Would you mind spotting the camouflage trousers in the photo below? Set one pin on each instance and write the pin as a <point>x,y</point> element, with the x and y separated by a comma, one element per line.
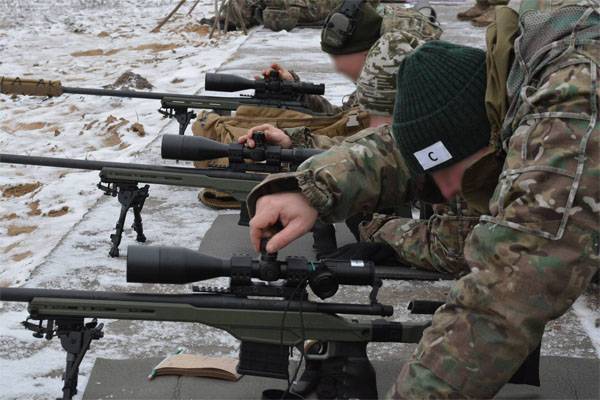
<point>297,11</point>
<point>436,244</point>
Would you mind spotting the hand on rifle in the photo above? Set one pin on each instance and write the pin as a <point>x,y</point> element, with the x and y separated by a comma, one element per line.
<point>273,136</point>
<point>292,210</point>
<point>283,73</point>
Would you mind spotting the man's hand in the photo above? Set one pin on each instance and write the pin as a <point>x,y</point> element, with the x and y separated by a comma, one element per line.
<point>292,210</point>
<point>283,73</point>
<point>273,136</point>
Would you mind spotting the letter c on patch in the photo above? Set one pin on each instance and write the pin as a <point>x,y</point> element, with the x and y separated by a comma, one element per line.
<point>431,158</point>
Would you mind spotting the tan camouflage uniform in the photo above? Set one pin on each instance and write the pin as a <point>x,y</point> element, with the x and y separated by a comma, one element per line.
<point>409,23</point>
<point>376,86</point>
<point>285,14</point>
<point>538,247</point>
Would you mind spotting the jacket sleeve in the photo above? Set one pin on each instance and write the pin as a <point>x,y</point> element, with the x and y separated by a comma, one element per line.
<point>535,253</point>
<point>321,105</point>
<point>303,137</point>
<point>364,173</point>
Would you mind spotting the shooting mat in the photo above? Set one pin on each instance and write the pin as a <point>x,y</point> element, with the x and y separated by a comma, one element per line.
<point>562,378</point>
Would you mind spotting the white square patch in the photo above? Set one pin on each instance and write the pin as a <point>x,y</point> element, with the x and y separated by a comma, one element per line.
<point>433,155</point>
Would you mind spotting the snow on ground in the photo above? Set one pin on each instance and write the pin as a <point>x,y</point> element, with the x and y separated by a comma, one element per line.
<point>55,224</point>
<point>89,46</point>
<point>587,308</point>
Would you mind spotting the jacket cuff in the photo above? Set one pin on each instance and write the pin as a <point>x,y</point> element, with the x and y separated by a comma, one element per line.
<point>300,136</point>
<point>274,183</point>
<point>295,75</point>
<point>318,195</point>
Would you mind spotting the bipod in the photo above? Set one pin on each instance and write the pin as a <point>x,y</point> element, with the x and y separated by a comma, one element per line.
<point>129,196</point>
<point>181,115</point>
<point>75,338</point>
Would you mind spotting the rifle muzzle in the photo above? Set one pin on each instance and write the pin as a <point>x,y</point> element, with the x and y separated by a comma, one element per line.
<point>172,265</point>
<point>30,87</point>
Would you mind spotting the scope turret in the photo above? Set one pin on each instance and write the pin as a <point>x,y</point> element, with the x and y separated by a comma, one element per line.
<point>272,85</point>
<point>197,148</point>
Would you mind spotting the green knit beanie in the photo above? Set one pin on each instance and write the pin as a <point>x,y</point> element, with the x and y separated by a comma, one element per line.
<point>366,33</point>
<point>440,117</point>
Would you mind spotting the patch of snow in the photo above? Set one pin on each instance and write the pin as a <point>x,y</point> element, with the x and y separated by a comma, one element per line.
<point>590,319</point>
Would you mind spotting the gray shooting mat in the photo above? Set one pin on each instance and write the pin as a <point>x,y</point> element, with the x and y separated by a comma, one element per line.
<point>561,377</point>
<point>225,238</point>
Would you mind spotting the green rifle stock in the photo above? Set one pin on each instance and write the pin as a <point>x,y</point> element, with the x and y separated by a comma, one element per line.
<point>267,328</point>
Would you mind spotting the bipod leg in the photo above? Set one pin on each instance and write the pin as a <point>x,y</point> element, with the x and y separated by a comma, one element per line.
<point>116,237</point>
<point>184,117</point>
<point>138,205</point>
<point>75,338</point>
<point>129,196</point>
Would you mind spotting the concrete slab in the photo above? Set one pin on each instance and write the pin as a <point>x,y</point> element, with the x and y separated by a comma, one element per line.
<point>226,238</point>
<point>561,377</point>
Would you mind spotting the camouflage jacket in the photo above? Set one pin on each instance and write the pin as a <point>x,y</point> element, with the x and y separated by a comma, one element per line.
<point>538,246</point>
<point>412,27</point>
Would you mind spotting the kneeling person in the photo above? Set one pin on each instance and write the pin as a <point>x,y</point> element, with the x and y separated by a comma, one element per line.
<point>535,178</point>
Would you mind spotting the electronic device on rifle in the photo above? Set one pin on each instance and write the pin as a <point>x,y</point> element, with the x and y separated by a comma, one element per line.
<point>271,91</point>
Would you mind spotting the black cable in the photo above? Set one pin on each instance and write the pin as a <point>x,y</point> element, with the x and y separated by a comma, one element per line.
<point>301,284</point>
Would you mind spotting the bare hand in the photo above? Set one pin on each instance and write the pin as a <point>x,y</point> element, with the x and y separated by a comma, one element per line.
<point>291,209</point>
<point>283,73</point>
<point>273,136</point>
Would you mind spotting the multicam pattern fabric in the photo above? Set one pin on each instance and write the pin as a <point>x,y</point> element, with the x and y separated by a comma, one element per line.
<point>436,244</point>
<point>539,247</point>
<point>410,20</point>
<point>298,11</point>
<point>349,178</point>
<point>376,86</point>
<point>285,14</point>
<point>321,105</point>
<point>530,258</point>
<point>401,28</point>
<point>303,137</point>
<point>536,252</point>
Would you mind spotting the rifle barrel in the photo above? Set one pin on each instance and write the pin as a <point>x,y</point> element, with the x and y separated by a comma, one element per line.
<point>100,165</point>
<point>128,93</point>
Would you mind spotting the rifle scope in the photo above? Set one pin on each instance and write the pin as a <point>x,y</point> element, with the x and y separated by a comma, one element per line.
<point>173,265</point>
<point>196,148</point>
<point>273,84</point>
